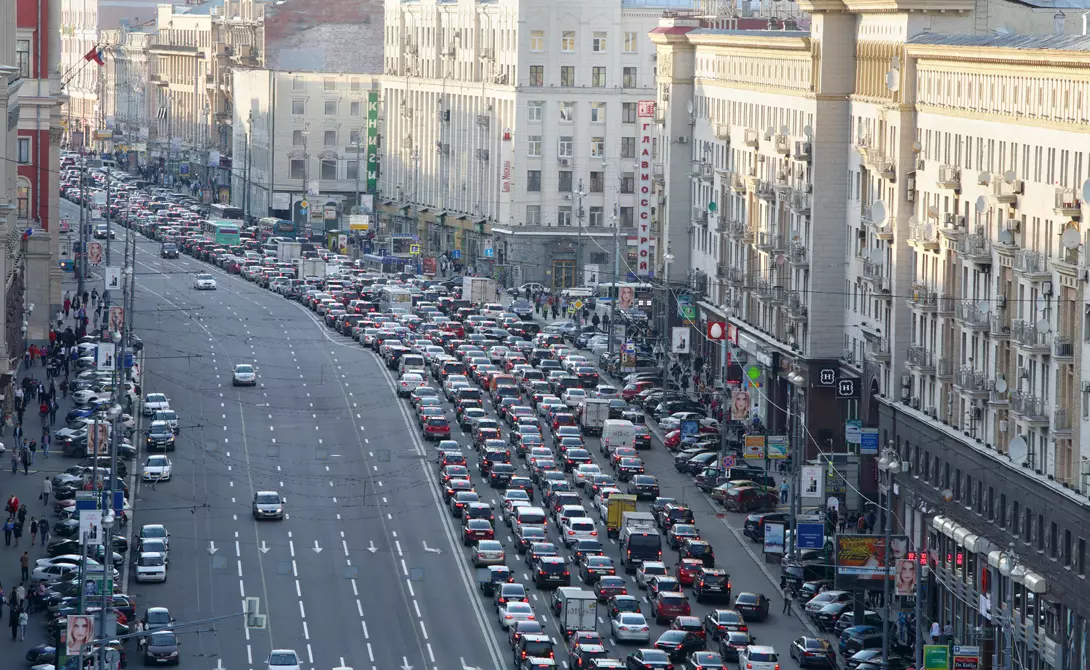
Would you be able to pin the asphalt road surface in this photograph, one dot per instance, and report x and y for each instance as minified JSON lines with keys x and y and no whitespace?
{"x":367,"y":569}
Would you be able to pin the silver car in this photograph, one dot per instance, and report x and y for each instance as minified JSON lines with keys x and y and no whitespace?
{"x":268,"y":505}
{"x":630,"y":627}
{"x":244,"y":374}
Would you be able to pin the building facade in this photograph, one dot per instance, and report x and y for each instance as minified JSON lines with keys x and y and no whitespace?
{"x":301,"y":137}
{"x":128,"y":94}
{"x":885,"y":210}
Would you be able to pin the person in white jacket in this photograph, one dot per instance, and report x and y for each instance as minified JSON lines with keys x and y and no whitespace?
{"x":47,"y":490}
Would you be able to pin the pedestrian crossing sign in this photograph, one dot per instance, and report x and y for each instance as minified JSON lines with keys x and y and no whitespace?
{"x":414,"y":249}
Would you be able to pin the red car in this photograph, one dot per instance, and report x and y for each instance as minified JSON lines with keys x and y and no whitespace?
{"x":688,"y":569}
{"x":631,"y":390}
{"x":476,"y":529}
{"x":437,"y":428}
{"x":690,"y":624}
{"x":609,"y":586}
{"x":669,"y":605}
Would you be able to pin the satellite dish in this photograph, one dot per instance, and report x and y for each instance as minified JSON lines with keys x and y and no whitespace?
{"x":933,"y":212}
{"x":1086,"y":191}
{"x":1006,"y":237}
{"x":981,"y":203}
{"x":1017,"y":450}
{"x":1008,"y":176}
{"x":984,"y":306}
{"x":913,"y":220}
{"x":894,"y":63}
{"x":1044,"y":326}
{"x":878,"y":212}
{"x":917,"y":147}
{"x":984,"y":178}
{"x":689,"y":106}
{"x":784,"y":130}
{"x":1041,"y":304}
{"x":893,"y":80}
{"x":1070,"y":237}
{"x":1000,"y":385}
{"x":929,"y":231}
{"x":808,"y":131}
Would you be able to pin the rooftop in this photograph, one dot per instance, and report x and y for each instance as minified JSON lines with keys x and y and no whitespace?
{"x":1029,"y":42}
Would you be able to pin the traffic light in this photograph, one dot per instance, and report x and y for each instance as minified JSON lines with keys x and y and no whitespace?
{"x":254,"y":619}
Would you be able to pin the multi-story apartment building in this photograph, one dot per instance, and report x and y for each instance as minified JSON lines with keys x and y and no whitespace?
{"x":128,"y":93}
{"x":303,"y":137}
{"x":511,"y":132}
{"x":897,"y":196}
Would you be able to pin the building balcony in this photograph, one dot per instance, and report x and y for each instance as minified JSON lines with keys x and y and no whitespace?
{"x":969,"y":316}
{"x":752,"y":138}
{"x":722,"y":131}
{"x":658,"y":171}
{"x":765,"y":190}
{"x":971,"y":382}
{"x":700,"y":216}
{"x":944,"y":369}
{"x":797,"y":255}
{"x":923,"y":298}
{"x":783,"y":144}
{"x":1032,"y":265}
{"x":875,"y":274}
{"x":976,"y":249}
{"x":999,"y":327}
{"x":736,"y":276}
{"x":1063,"y":349}
{"x":740,"y":231}
{"x":1008,"y":244}
{"x":1027,"y":336}
{"x":800,"y":201}
{"x":1006,"y":193}
{"x":771,"y":242}
{"x":1067,"y":203}
{"x":1029,"y":408}
{"x":879,"y":350}
{"x":737,"y":183}
{"x":1061,"y":422}
{"x":795,"y":304}
{"x":947,"y":305}
{"x":949,"y":178}
{"x":768,"y":292}
{"x":999,"y":400}
{"x":879,"y":226}
{"x":919,"y":359}
{"x":923,"y":236}
{"x":803,"y":151}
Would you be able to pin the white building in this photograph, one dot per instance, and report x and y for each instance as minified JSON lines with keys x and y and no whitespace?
{"x":128,"y":93}
{"x":899,"y":195}
{"x":301,"y":137}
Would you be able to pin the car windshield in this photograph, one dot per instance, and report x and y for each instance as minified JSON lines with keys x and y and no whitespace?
{"x":283,"y":658}
{"x":763,"y":656}
{"x":150,"y":560}
{"x":650,"y":656}
{"x":268,"y":498}
{"x":746,"y":599}
{"x":204,"y":276}
{"x":162,"y":640}
{"x":157,"y":461}
{"x":156,"y":397}
{"x":153,"y":531}
{"x":244,"y":369}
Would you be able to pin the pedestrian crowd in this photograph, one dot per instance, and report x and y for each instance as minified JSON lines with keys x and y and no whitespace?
{"x":25,"y":598}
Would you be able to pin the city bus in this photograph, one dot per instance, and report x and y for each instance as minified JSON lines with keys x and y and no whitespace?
{"x":222,"y":232}
{"x":270,"y":226}
{"x":222,"y":212}
{"x":395,"y":299}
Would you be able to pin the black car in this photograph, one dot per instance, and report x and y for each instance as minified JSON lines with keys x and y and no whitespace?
{"x":752,"y":606}
{"x":813,"y":652}
{"x":643,"y":487}
{"x":732,"y":642}
{"x":168,"y":250}
{"x":551,"y":571}
{"x":67,"y":528}
{"x":648,"y":659}
{"x":161,"y":648}
{"x":754,"y":525}
{"x":679,"y":643}
{"x":41,"y":654}
{"x":711,"y":584}
{"x":160,"y":436}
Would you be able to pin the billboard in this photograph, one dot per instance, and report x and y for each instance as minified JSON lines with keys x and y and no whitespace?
{"x":645,"y":189}
{"x":861,"y":560}
{"x":79,"y":633}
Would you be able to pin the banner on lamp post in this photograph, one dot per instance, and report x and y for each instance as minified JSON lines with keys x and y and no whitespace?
{"x":372,"y":142}
{"x":645,"y":190}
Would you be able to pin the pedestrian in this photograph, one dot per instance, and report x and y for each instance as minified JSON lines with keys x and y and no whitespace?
{"x":9,"y":528}
{"x":64,"y":385}
{"x":25,"y":457}
{"x":43,"y":530}
{"x":67,"y":306}
{"x":24,"y":618}
{"x":33,"y":451}
{"x":17,"y":432}
{"x":783,"y":492}
{"x":19,"y":594}
{"x":17,"y":531}
{"x":861,"y":524}
{"x":14,"y":461}
{"x":20,"y":516}
{"x":45,"y":443}
{"x":53,"y":406}
{"x":33,"y":530}
{"x":13,"y":614}
{"x":788,"y":598}
{"x":47,"y":490}
{"x":24,"y":565}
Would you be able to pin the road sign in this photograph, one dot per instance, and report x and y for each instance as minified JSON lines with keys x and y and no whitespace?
{"x":936,"y":657}
{"x":414,"y":249}
{"x":868,"y":441}
{"x":489,"y":252}
{"x":728,"y":462}
{"x":303,"y":204}
{"x":455,"y":253}
{"x":827,"y":377}
{"x":811,"y":535}
{"x":966,"y":658}
{"x":852,"y":428}
{"x":847,"y":387}
{"x":579,"y":304}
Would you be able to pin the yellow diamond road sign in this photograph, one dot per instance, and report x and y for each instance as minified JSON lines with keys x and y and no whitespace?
{"x":579,"y":304}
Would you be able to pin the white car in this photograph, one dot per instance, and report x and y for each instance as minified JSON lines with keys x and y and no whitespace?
{"x":758,"y":657}
{"x":574,"y":397}
{"x":86,"y":396}
{"x":204,"y":282}
{"x":244,"y":374}
{"x":515,"y":611}
{"x":630,"y":627}
{"x":154,"y":402}
{"x":151,"y":567}
{"x":585,"y":473}
{"x":409,"y":382}
{"x":282,"y":659}
{"x":574,"y":529}
{"x":648,"y":570}
{"x":66,"y":559}
{"x":602,"y":500}
{"x":547,"y":402}
{"x":53,"y":573}
{"x":157,"y":469}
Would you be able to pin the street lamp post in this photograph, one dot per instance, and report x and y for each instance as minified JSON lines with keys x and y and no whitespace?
{"x":663,"y":335}
{"x":1009,"y":566}
{"x":890,"y":463}
{"x":579,"y":194}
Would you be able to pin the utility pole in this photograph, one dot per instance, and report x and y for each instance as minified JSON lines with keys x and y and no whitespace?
{"x":81,"y":266}
{"x":579,"y":253}
{"x":890,"y":463}
{"x":616,"y":292}
{"x":109,"y":234}
{"x":306,"y":178}
{"x":249,"y":151}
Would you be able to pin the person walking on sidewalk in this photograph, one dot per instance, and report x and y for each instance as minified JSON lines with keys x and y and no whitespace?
{"x":17,"y":531}
{"x":33,"y":451}
{"x":9,"y":529}
{"x":43,"y":530}
{"x":25,"y":457}
{"x":788,"y":598}
{"x":45,"y":442}
{"x":24,"y":566}
{"x":33,"y":530}
{"x":52,"y":411}
{"x":47,"y":490}
{"x":13,"y":619}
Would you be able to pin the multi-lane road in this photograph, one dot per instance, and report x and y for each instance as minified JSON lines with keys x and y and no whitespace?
{"x":366,"y":570}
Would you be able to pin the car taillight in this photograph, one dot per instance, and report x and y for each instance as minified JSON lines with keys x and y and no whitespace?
{"x":508,"y":616}
{"x":565,"y":573}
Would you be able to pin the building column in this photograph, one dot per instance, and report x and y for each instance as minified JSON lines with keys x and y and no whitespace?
{"x":37,"y":257}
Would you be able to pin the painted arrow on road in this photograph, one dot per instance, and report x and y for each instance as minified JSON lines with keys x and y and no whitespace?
{"x":263,"y":549}
{"x":212,"y":547}
{"x":219,"y":664}
{"x":432,"y":550}
{"x":317,"y":549}
{"x":405,"y":663}
{"x":372,"y":548}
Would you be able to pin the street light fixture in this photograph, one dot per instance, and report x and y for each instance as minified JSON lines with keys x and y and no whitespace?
{"x":889,"y":463}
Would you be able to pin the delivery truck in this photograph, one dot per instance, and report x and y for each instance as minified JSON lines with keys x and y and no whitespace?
{"x":578,"y":610}
{"x":310,"y":267}
{"x":594,"y":416}
{"x":617,"y":506}
{"x":287,"y":251}
{"x":478,"y":290}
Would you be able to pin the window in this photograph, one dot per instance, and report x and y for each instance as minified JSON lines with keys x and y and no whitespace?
{"x":329,"y":168}
{"x":598,"y":42}
{"x":534,"y":110}
{"x":567,"y":75}
{"x":533,"y":215}
{"x":537,"y":75}
{"x":533,"y":181}
{"x":564,"y":181}
{"x":627,"y":220}
{"x":567,"y":111}
{"x":630,"y":43}
{"x":564,"y":146}
{"x":567,"y":41}
{"x":597,"y":217}
{"x":352,"y":170}
{"x":597,"y":147}
{"x":628,"y":183}
{"x":563,"y":216}
{"x":355,"y":85}
{"x":354,"y":137}
{"x":298,"y":107}
{"x":23,"y":150}
{"x":297,"y":138}
{"x":355,"y":108}
{"x":597,"y":112}
{"x":628,"y":147}
{"x":628,"y":77}
{"x":597,"y":182}
{"x":329,"y":84}
{"x":598,"y":77}
{"x":537,"y":40}
{"x":297,"y":83}
{"x":22,"y":57}
{"x":296,"y":168}
{"x":22,"y":197}
{"x":628,"y":112}
{"x":331,"y":108}
{"x":330,"y":138}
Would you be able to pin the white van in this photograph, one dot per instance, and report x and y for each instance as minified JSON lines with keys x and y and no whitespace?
{"x":530,"y":516}
{"x":414,"y":362}
{"x":617,"y":433}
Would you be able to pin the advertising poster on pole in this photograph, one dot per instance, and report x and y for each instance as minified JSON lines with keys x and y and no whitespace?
{"x":98,"y":439}
{"x":105,"y":354}
{"x":90,"y":527}
{"x":863,"y":560}
{"x":740,"y":404}
{"x":117,"y":318}
{"x":776,"y":448}
{"x":774,"y":537}
{"x":754,"y":447}
{"x":904,"y":577}
{"x":79,"y":633}
{"x":813,"y":482}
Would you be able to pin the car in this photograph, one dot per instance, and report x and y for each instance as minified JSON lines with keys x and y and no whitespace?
{"x":282,"y":659}
{"x":591,"y":568}
{"x":718,"y":622}
{"x":814,"y":652}
{"x":154,"y":402}
{"x":268,"y":505}
{"x":551,"y":571}
{"x":630,"y":627}
{"x":648,"y":659}
{"x":156,"y":618}
{"x":170,"y":416}
{"x":157,"y":468}
{"x":476,"y":529}
{"x":649,"y":570}
{"x":759,"y":657}
{"x":733,"y":642}
{"x":53,"y":573}
{"x":752,"y":606}
{"x":488,"y":552}
{"x":152,"y":532}
{"x":151,"y":567}
{"x":244,"y":374}
{"x":532,"y":645}
{"x":514,"y":611}
{"x":705,"y":660}
{"x":41,"y":654}
{"x":161,"y":648}
{"x":711,"y":583}
{"x":679,"y":643}
{"x":608,"y":586}
{"x":204,"y":282}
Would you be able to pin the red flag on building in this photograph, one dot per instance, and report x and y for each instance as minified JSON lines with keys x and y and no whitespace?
{"x":94,"y":54}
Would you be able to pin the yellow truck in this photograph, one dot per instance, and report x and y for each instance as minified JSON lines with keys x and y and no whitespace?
{"x":617,"y":505}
